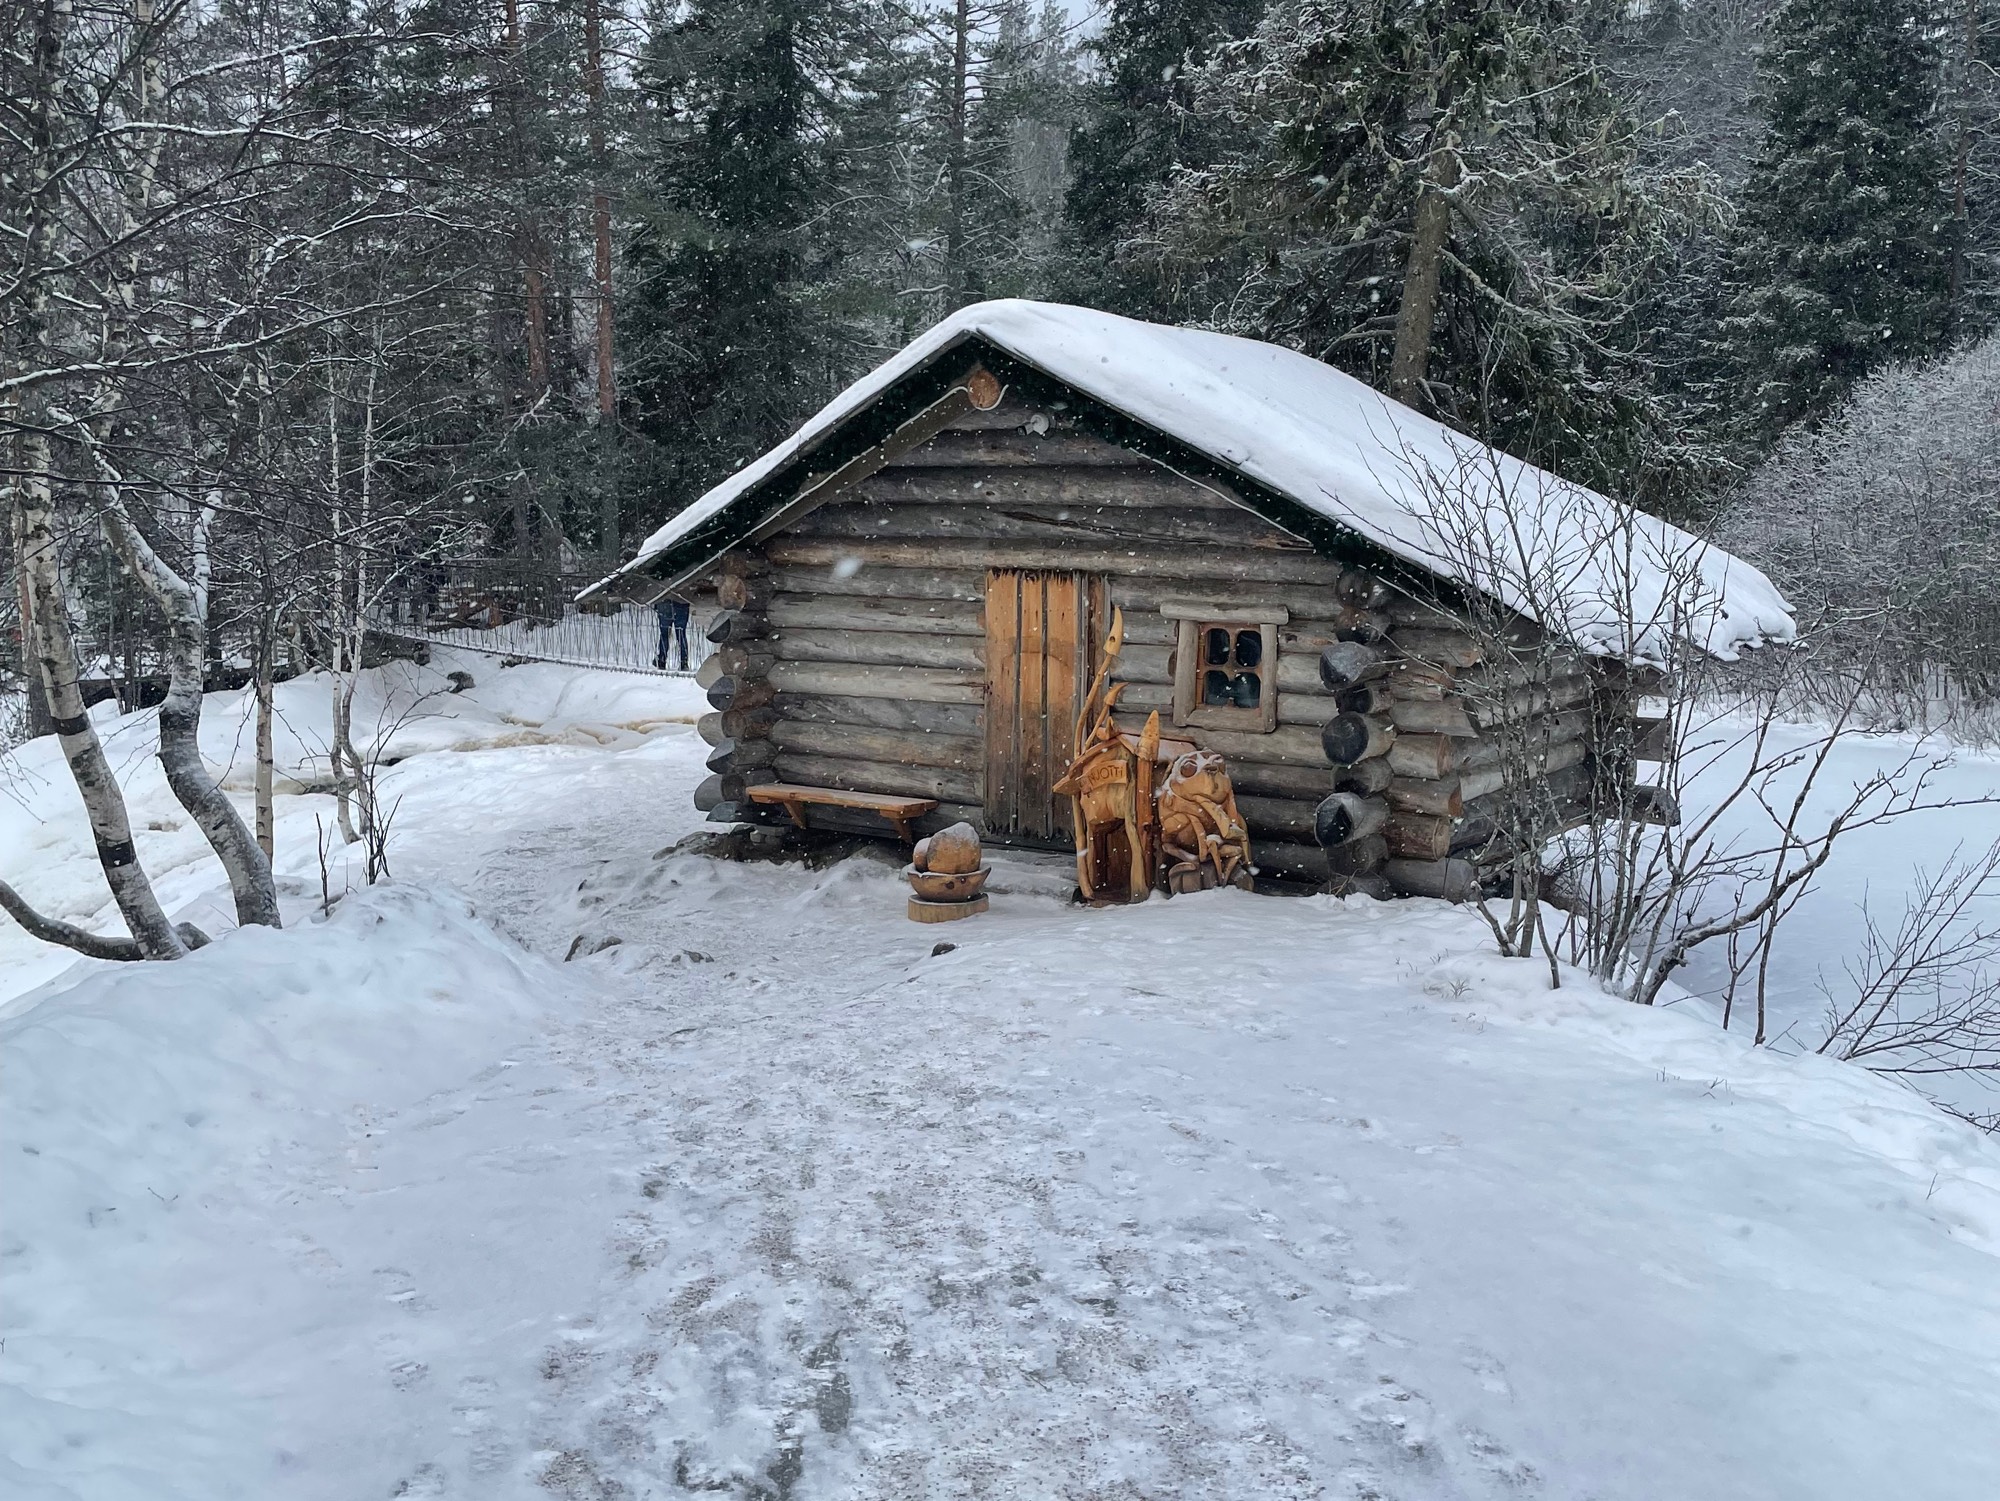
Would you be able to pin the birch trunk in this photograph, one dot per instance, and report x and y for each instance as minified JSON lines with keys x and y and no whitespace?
{"x":343,"y":681}
{"x":266,"y":813}
{"x":185,"y":606}
{"x":55,"y":657}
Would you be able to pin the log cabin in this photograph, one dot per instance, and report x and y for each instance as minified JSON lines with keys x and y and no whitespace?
{"x":1390,"y":632}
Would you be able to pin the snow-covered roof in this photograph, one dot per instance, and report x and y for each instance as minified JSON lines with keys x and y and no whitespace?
{"x":1613,"y":579}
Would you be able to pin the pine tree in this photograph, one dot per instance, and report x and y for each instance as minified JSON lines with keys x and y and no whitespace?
{"x":1138,"y":126}
{"x":1446,"y":200}
{"x":1845,"y":256}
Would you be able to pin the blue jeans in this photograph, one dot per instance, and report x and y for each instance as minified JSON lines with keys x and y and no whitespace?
{"x":673,"y":631}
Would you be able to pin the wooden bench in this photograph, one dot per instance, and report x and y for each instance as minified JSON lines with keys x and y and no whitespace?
{"x":796,"y":799}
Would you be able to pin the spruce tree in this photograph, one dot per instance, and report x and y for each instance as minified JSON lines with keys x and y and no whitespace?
{"x":728,"y":327}
{"x":1138,"y":126}
{"x":1845,"y":254}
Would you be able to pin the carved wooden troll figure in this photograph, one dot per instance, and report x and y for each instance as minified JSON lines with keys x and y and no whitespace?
{"x":1122,"y":832}
{"x":1200,"y":829}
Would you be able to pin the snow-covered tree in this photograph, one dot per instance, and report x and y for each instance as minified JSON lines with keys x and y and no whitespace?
{"x":1448,"y":201}
{"x":1882,"y":525}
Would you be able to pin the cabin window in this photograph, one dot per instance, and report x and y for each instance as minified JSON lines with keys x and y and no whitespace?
{"x":1225,"y":666}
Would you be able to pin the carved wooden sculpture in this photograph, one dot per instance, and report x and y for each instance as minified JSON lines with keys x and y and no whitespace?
{"x":1110,"y":788}
{"x":1201,"y":832}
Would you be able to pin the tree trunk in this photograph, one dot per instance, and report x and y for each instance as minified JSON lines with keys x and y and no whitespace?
{"x":1416,"y":315}
{"x":530,"y":242}
{"x":39,"y":723}
{"x":55,"y":656}
{"x":185,"y":606}
{"x":609,"y":520}
{"x":958,"y":124}
{"x":266,"y":813}
{"x":1962,"y":160}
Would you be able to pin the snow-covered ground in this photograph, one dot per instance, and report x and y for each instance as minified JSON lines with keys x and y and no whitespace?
{"x":1223,"y":1196}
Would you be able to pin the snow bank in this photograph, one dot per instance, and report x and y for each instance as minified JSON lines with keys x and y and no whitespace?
{"x":1427,"y":494}
{"x":406,"y":711}
{"x":161,"y":1127}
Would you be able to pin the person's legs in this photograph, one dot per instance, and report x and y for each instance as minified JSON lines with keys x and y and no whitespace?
{"x":660,"y":653}
{"x":680,"y":634}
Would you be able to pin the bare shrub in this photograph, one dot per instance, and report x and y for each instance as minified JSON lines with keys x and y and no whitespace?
{"x":1922,"y":1002}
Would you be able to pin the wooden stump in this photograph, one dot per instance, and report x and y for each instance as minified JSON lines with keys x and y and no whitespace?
{"x":923,"y":911}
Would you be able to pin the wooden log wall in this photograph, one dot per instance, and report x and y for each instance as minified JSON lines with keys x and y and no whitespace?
{"x":1495,"y":729}
{"x":852,"y":655}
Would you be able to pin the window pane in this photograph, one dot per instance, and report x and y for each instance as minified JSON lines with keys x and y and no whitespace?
{"x":1215,"y":647}
{"x":1249,"y":648}
{"x":1247,"y":691}
{"x":1215,"y":688}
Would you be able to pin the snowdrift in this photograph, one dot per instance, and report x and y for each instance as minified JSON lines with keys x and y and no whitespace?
{"x":162,"y":1126}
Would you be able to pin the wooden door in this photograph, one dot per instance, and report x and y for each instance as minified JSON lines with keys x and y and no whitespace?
{"x":1038,"y":657}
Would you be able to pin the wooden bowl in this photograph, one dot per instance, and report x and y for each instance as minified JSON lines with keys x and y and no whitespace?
{"x":944,"y":886}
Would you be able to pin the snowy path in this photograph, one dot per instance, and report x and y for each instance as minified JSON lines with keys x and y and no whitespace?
{"x":1050,"y":1215}
{"x":1222,"y":1197}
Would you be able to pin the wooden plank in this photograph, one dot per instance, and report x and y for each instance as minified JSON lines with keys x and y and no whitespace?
{"x":1652,"y":738}
{"x":1003,"y":696}
{"x":1287,"y":745}
{"x":1453,"y":880}
{"x":1141,"y":595}
{"x":1056,"y":524}
{"x":854,"y":821}
{"x":967,"y":584}
{"x":1032,"y":710}
{"x":1313,"y":709}
{"x":1416,"y":717}
{"x":820,"y":487}
{"x":1137,"y":486}
{"x":883,"y":713}
{"x":1065,"y":651}
{"x":939,"y":782}
{"x":946,"y":617}
{"x":1010,"y":414}
{"x":1297,"y":674}
{"x":1181,"y":563}
{"x":923,"y":684}
{"x":859,"y":743}
{"x":834,"y":797}
{"x":882,"y":649}
{"x":1440,"y":648}
{"x":1442,"y":798}
{"x":1182,"y":669}
{"x":979,"y":489}
{"x":1015,"y":449}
